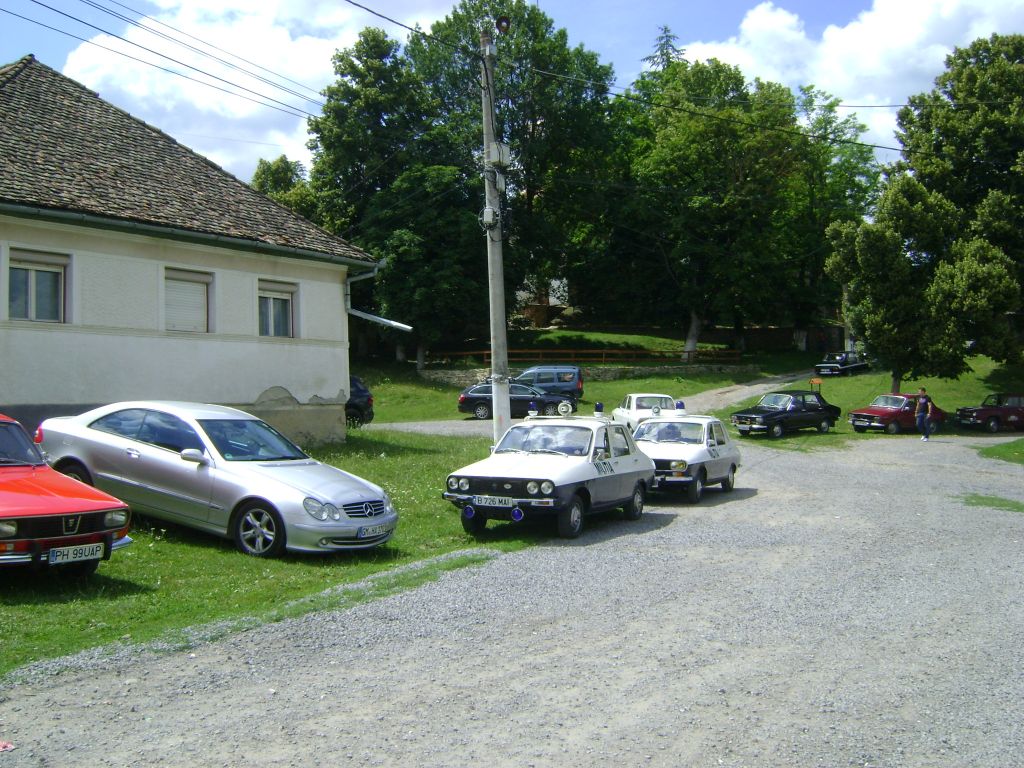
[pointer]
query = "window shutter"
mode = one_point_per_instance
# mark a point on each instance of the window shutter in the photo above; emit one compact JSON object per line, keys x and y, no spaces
{"x":185,"y":306}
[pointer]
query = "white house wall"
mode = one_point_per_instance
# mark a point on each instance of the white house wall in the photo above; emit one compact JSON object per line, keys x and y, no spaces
{"x":113,"y":346}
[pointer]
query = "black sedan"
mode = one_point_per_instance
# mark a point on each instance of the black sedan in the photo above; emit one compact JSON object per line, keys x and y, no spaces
{"x":477,"y":400}
{"x":779,"y":412}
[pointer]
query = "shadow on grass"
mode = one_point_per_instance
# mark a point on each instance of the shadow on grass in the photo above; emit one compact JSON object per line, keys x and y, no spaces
{"x":45,"y":586}
{"x":1005,"y":378}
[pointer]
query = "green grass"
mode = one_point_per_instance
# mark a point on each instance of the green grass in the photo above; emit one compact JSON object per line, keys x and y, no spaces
{"x":1012,"y":451}
{"x":993,"y":502}
{"x":171,"y":578}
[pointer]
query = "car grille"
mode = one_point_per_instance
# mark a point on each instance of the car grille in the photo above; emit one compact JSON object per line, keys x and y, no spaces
{"x":365,"y":508}
{"x":744,"y":420}
{"x":488,"y":486}
{"x":56,"y":526}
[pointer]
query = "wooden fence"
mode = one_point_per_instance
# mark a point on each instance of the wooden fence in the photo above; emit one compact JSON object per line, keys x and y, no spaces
{"x":601,"y":356}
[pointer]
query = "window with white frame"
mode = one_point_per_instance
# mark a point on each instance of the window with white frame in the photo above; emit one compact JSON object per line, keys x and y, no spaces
{"x":277,"y":307}
{"x":187,"y":300}
{"x":35,"y":286}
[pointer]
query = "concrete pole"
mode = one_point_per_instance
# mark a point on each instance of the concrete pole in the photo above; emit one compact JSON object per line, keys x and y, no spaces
{"x":491,"y":220}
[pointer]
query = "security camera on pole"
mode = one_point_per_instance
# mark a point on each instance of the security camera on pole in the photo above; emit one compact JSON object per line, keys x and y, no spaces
{"x":496,"y":157}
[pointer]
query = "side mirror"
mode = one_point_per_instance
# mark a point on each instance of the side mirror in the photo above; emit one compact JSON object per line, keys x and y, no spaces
{"x":195,"y":455}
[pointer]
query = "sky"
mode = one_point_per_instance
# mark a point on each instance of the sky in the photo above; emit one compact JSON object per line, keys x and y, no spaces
{"x":871,"y":54}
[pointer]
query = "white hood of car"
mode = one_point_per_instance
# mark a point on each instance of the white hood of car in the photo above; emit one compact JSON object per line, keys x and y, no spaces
{"x":312,"y":478}
{"x":539,"y":465}
{"x":674,"y":451}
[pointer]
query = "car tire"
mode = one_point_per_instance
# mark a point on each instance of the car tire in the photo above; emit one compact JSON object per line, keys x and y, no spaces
{"x":695,"y":489}
{"x":824,"y":426}
{"x":776,"y":429}
{"x":860,"y":429}
{"x":474,"y":525}
{"x":634,"y":509}
{"x":893,"y":428}
{"x":729,"y":481}
{"x":258,"y":530}
{"x":992,"y":424}
{"x":482,"y":411}
{"x":550,"y":409}
{"x":570,"y":519}
{"x":76,"y":470}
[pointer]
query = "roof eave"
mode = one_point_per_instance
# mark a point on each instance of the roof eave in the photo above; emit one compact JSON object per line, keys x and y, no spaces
{"x":183,"y":235}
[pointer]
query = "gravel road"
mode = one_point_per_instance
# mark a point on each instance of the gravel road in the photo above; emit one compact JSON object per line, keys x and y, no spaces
{"x":837,"y":609}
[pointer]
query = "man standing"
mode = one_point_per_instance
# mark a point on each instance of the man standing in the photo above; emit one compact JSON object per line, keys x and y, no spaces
{"x":923,"y":412}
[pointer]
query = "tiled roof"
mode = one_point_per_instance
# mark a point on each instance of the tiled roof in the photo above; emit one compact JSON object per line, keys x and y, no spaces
{"x":65,"y":150}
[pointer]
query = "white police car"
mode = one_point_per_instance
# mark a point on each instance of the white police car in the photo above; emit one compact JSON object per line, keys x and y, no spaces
{"x":564,"y":467}
{"x":638,"y":406}
{"x":689,"y":452}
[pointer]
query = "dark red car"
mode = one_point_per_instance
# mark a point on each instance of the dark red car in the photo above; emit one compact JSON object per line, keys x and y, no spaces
{"x":997,"y":411}
{"x":48,"y":519}
{"x":893,"y":413}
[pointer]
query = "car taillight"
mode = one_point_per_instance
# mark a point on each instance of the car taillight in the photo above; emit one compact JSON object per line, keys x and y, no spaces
{"x":37,"y":438}
{"x":462,"y":398}
{"x":579,"y":384}
{"x":369,"y":401}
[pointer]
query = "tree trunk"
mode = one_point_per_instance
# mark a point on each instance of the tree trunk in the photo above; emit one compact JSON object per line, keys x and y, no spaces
{"x":897,"y":381}
{"x":421,"y":356}
{"x":400,"y":353}
{"x":696,"y":324}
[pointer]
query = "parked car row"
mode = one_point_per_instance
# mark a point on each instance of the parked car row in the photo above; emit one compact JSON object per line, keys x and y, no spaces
{"x":568,"y":467}
{"x":208,"y":467}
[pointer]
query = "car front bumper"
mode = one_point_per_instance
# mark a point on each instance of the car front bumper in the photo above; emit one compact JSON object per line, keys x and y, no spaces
{"x":868,"y":424}
{"x":38,"y":551}
{"x":350,"y":534}
{"x":505,"y":510}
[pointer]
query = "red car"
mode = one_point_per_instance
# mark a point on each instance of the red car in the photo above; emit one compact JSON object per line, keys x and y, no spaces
{"x":48,"y":519}
{"x":997,"y":411}
{"x":893,"y":413}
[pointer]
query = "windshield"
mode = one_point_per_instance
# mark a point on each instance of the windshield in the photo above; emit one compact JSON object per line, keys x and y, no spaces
{"x":992,"y":400}
{"x":15,"y":446}
{"x":889,"y":401}
{"x":776,"y":400}
{"x":546,"y":438}
{"x":834,"y":357}
{"x":671,"y":432}
{"x":665,"y":403}
{"x":249,"y":440}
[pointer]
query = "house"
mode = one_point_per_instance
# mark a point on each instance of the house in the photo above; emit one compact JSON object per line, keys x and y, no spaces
{"x":134,"y":268}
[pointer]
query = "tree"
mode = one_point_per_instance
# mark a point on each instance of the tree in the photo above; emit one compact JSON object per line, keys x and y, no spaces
{"x":284,"y":181}
{"x":916,"y":293}
{"x":948,"y":221}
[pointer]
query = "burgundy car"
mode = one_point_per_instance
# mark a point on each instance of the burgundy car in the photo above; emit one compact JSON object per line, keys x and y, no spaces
{"x":893,"y":413}
{"x":997,"y":411}
{"x":49,"y":520}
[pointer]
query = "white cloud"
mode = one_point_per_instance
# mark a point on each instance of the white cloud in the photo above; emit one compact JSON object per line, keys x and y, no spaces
{"x":887,"y":54}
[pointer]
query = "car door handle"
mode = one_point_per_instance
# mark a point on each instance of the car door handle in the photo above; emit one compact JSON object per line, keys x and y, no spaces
{"x":132,"y":453}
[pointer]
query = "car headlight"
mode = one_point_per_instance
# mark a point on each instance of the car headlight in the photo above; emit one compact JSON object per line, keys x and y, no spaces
{"x":115,"y":519}
{"x":389,"y":507}
{"x":315,"y":508}
{"x":760,"y":419}
{"x":677,"y":465}
{"x":532,"y":487}
{"x":8,"y":528}
{"x":547,"y":487}
{"x":453,"y":483}
{"x":463,"y":483}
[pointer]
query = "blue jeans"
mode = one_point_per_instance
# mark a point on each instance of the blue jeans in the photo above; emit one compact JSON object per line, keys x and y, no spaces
{"x":923,"y":424}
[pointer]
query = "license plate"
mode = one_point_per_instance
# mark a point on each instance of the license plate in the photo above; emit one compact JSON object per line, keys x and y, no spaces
{"x":61,"y":555}
{"x":369,"y":531}
{"x":861,"y":422}
{"x":493,"y":501}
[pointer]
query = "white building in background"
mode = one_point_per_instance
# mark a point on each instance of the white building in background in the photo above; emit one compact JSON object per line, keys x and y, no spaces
{"x":133,"y":268}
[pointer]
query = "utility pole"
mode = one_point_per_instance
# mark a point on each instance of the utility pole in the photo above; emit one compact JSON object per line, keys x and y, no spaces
{"x":495,"y":158}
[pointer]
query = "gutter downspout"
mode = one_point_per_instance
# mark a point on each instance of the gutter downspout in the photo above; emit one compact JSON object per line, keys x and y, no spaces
{"x":366,"y":315}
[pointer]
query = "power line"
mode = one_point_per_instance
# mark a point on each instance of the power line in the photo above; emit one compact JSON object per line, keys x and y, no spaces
{"x":194,"y":49}
{"x":287,"y":111}
{"x":170,"y":58}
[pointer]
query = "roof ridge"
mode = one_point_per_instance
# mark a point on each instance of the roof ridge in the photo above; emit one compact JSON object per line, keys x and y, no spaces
{"x":11,"y":70}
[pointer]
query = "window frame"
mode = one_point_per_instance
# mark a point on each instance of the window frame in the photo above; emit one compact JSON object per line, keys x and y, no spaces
{"x":188,"y":277}
{"x":34,"y":262}
{"x":274,"y":291}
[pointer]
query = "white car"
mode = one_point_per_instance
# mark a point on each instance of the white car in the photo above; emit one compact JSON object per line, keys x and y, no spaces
{"x":564,"y":467}
{"x":220,"y":470}
{"x":639,"y":406}
{"x":689,"y":452}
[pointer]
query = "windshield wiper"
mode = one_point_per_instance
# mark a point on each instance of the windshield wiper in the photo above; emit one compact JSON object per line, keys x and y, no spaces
{"x":546,"y":450}
{"x":17,"y":462}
